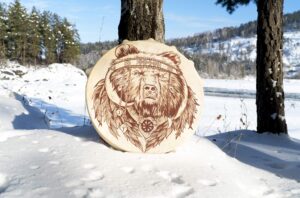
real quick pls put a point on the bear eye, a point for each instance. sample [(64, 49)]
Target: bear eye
[(137, 72), (163, 76)]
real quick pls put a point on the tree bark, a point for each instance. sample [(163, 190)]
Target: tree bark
[(141, 19), (269, 81)]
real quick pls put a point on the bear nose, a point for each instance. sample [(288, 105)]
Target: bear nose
[(150, 88)]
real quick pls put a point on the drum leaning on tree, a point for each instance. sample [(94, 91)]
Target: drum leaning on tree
[(144, 96)]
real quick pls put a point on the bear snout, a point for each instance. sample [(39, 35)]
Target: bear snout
[(150, 91)]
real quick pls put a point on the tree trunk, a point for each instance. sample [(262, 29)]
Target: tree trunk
[(141, 19), (269, 81), (23, 53)]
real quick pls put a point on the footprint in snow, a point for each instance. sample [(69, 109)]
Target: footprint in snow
[(96, 193), (79, 192), (268, 191), (277, 165), (172, 177), (44, 150), (128, 170), (40, 190), (181, 191), (89, 166), (147, 168), (93, 176), (72, 184), (54, 162), (263, 190), (206, 182), (34, 167), (91, 193)]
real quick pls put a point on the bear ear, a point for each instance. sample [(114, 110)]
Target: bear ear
[(125, 49), (172, 56)]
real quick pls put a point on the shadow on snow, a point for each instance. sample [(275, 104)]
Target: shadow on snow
[(278, 154), (36, 119)]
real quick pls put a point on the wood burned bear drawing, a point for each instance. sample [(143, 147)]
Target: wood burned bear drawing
[(144, 97)]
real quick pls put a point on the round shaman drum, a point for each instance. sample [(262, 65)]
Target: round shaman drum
[(144, 96)]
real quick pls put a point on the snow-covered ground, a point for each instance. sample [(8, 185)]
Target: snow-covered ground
[(57, 91), (49, 149)]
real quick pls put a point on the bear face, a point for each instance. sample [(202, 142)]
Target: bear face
[(154, 92)]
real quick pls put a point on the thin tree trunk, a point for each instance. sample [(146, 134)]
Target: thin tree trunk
[(24, 53), (141, 19), (269, 82)]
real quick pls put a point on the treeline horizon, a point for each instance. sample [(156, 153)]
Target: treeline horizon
[(291, 22), (34, 37), (248, 29)]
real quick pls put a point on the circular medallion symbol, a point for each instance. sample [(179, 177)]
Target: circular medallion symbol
[(119, 111), (147, 125)]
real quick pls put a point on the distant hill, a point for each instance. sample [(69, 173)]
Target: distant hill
[(231, 51), (291, 23), (227, 52), (91, 52)]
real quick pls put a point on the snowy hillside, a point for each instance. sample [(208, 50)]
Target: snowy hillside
[(48, 148), (57, 91), (240, 48)]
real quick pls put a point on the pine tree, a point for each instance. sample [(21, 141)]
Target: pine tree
[(70, 42), (59, 37), (67, 40), (17, 31), (3, 31), (34, 38), (47, 39), (269, 66)]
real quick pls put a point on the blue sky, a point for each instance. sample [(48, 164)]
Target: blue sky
[(182, 17)]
